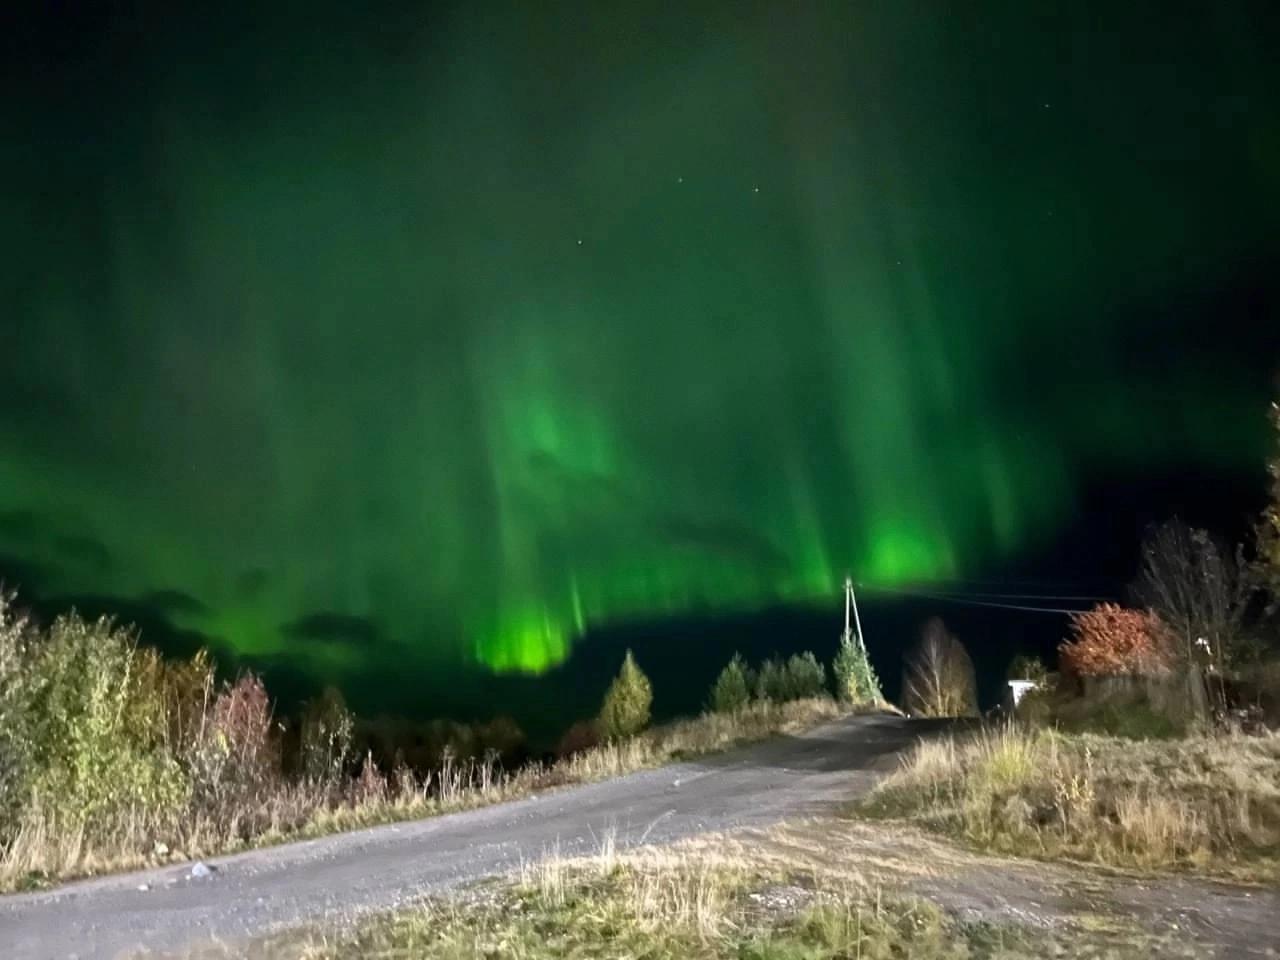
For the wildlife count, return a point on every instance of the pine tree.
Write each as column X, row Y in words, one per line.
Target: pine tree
column 856, row 680
column 625, row 711
column 771, row 681
column 731, row 690
column 805, row 677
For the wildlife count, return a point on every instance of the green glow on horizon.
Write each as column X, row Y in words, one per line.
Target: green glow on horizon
column 501, row 330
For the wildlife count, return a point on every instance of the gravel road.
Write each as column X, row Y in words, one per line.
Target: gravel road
column 167, row 910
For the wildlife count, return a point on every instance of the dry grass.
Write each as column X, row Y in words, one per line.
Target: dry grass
column 1209, row 803
column 42, row 849
column 708, row 900
column 656, row 905
column 695, row 737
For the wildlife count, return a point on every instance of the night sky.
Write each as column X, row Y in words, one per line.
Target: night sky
column 399, row 341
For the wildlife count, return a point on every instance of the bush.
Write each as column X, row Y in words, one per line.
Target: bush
column 856, row 680
column 237, row 759
column 625, row 711
column 1112, row 641
column 939, row 678
column 326, row 735
column 16, row 748
column 1268, row 531
column 582, row 736
column 95, row 732
column 502, row 737
column 732, row 690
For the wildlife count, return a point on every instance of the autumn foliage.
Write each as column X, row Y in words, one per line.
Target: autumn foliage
column 1110, row 640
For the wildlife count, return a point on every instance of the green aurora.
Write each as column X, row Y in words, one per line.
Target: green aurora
column 446, row 336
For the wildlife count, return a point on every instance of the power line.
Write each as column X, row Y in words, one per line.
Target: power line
column 944, row 598
column 1023, row 596
column 1011, row 583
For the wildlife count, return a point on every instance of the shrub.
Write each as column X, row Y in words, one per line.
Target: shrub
column 805, row 677
column 86, row 736
column 16, row 747
column 1133, row 708
column 939, row 678
column 625, row 711
column 856, row 680
column 1268, row 530
column 186, row 688
column 236, row 759
column 1112, row 641
column 582, row 736
column 731, row 691
column 502, row 737
column 326, row 734
column 370, row 787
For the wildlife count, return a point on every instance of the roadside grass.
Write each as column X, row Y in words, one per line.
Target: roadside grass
column 694, row 902
column 44, row 849
column 1205, row 803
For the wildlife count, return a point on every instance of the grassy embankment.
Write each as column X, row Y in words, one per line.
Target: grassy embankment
column 282, row 810
column 1204, row 803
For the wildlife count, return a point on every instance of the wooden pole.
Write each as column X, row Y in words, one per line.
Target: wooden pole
column 852, row 601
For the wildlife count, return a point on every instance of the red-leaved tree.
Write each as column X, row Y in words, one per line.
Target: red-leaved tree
column 1110, row 640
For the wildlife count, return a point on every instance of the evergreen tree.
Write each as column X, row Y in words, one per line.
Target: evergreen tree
column 856, row 680
column 625, row 710
column 771, row 681
column 732, row 690
column 805, row 677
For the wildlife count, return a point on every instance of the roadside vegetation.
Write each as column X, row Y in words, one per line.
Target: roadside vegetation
column 670, row 910
column 1209, row 803
column 715, row 900
column 112, row 757
column 1154, row 746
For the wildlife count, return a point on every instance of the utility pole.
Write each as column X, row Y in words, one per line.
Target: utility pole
column 854, row 670
column 851, row 606
column 851, row 603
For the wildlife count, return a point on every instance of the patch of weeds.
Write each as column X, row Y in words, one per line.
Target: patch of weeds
column 1201, row 803
column 670, row 907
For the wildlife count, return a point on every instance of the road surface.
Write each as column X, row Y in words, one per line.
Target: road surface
column 249, row 894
